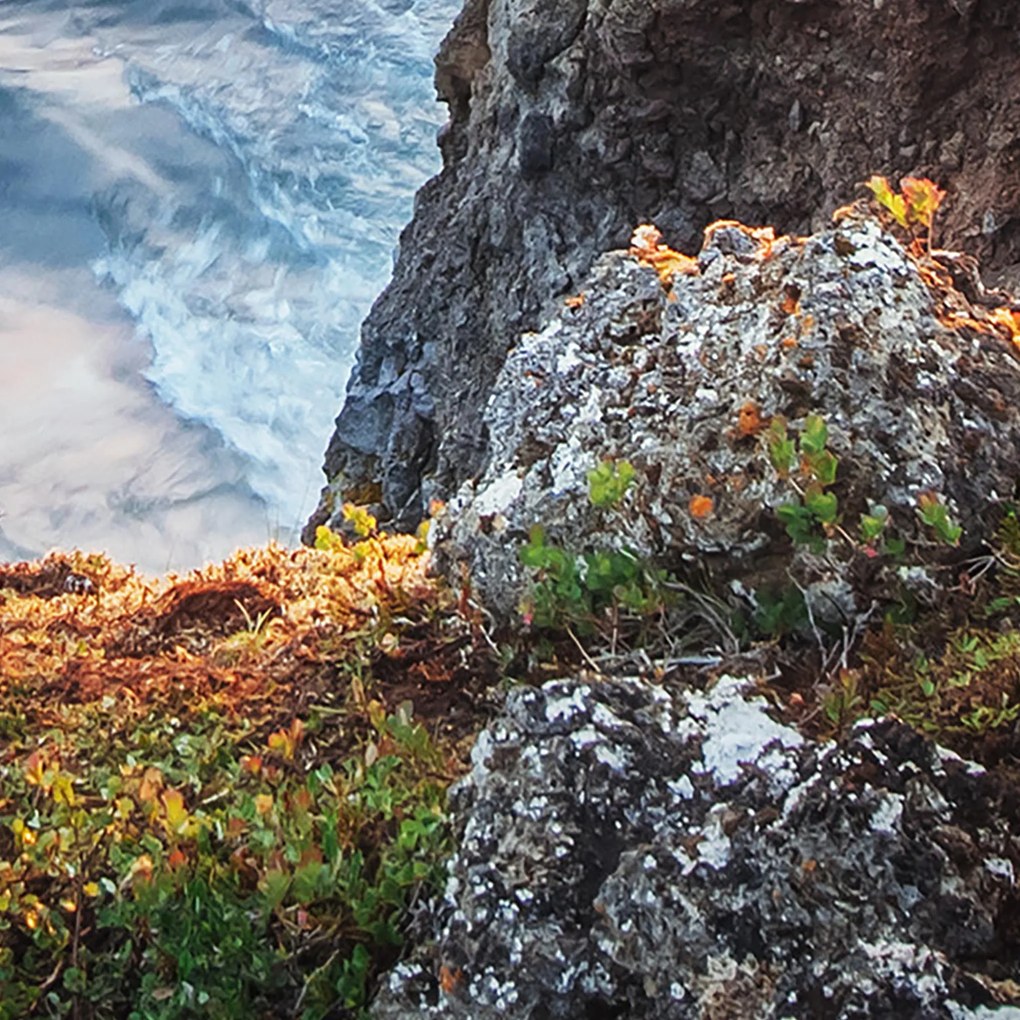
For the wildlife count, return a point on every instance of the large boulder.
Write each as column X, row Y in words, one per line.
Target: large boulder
column 917, row 388
column 626, row 850
column 572, row 121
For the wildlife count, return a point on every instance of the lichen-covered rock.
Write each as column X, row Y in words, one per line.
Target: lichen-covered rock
column 631, row 850
column 684, row 383
column 573, row 120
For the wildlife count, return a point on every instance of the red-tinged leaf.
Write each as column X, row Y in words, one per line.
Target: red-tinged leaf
column 922, row 198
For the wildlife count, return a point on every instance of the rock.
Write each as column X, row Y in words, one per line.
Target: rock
column 639, row 851
column 684, row 384
column 572, row 121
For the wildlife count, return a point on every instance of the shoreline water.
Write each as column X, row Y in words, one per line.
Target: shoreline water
column 92, row 458
column 196, row 212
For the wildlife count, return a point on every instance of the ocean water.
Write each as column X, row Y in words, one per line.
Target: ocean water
column 199, row 200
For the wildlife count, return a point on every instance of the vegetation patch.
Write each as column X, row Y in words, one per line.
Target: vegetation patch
column 951, row 667
column 221, row 794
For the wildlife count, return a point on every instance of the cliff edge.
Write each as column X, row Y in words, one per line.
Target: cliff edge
column 572, row 121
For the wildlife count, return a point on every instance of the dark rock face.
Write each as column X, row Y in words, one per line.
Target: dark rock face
column 574, row 120
column 632, row 851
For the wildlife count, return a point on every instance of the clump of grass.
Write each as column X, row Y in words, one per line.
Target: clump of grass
column 951, row 670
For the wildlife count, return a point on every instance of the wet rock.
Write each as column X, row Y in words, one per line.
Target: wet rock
column 684, row 384
column 574, row 120
column 639, row 851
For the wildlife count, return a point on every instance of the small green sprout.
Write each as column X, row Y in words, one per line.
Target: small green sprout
column 608, row 483
column 935, row 514
column 817, row 469
column 872, row 524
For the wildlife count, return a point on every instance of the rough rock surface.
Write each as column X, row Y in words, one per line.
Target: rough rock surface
column 682, row 384
column 634, row 851
column 572, row 121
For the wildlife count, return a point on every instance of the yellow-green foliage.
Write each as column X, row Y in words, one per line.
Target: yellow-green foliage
column 210, row 804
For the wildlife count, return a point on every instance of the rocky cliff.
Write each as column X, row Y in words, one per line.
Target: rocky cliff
column 699, row 383
column 572, row 121
column 628, row 850
column 829, row 415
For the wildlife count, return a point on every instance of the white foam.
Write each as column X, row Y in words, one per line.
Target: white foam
column 251, row 287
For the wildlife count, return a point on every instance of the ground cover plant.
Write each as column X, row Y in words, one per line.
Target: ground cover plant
column 221, row 794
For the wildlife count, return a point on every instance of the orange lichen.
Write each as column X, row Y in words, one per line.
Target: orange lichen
column 450, row 978
column 574, row 302
column 763, row 237
column 646, row 247
column 700, row 506
column 749, row 419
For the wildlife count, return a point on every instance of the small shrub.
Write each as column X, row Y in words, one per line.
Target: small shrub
column 596, row 590
column 913, row 208
column 811, row 468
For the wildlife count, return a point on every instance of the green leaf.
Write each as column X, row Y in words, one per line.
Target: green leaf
column 307, row 880
column 274, row 885
column 782, row 452
column 608, row 482
column 780, row 613
column 935, row 514
column 815, row 435
column 799, row 522
column 873, row 524
column 894, row 547
column 822, row 504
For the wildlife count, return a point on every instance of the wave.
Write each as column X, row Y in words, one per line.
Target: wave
column 304, row 129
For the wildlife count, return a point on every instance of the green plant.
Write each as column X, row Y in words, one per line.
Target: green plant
column 593, row 590
column 969, row 687
column 781, row 612
column 935, row 514
column 576, row 589
column 873, row 524
column 810, row 518
column 843, row 704
column 608, row 482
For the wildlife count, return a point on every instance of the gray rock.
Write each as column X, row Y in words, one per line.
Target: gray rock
column 639, row 851
column 571, row 121
column 840, row 324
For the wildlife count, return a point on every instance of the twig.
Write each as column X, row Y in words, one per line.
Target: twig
column 581, row 649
